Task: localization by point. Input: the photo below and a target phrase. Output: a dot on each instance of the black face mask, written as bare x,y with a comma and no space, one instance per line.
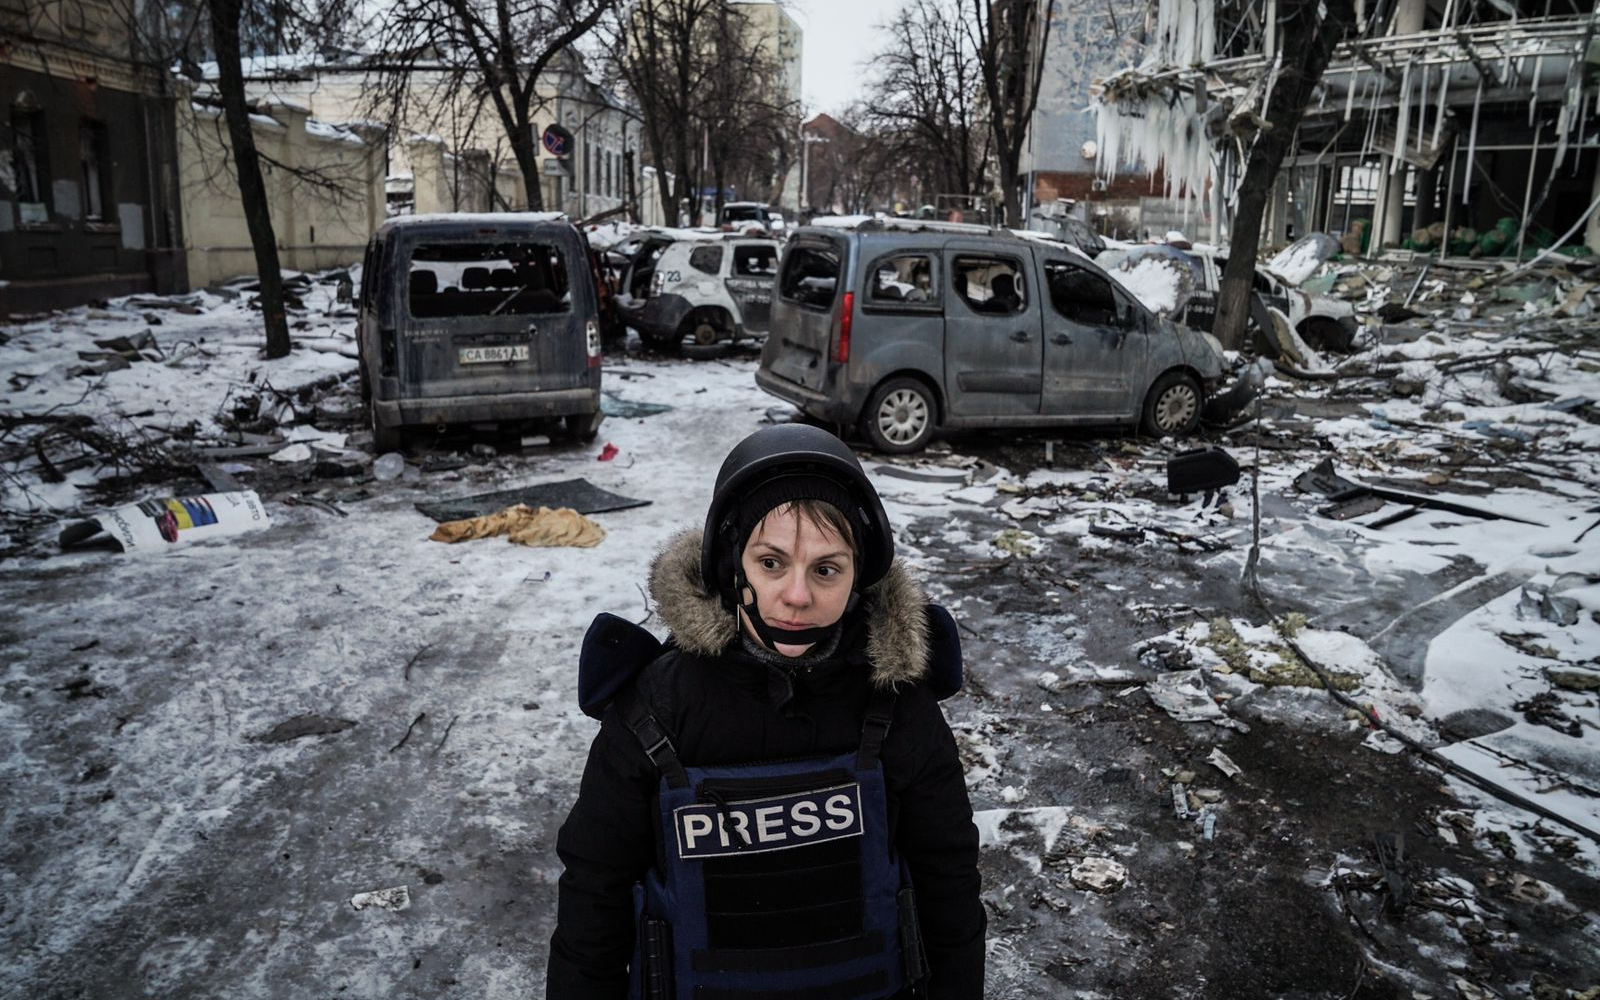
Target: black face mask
789,637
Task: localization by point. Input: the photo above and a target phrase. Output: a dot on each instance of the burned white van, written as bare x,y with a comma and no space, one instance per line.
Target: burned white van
479,319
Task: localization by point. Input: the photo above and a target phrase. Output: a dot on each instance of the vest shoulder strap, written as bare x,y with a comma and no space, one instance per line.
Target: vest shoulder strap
652,737
875,728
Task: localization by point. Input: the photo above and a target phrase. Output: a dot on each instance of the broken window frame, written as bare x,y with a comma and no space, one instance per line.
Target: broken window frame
874,297
707,259
1122,314
960,264
493,299
94,161
30,164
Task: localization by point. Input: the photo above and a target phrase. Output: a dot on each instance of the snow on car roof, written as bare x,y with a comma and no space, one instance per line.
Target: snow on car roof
477,218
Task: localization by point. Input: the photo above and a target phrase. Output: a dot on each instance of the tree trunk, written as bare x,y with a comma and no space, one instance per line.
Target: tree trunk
1301,33
528,162
247,167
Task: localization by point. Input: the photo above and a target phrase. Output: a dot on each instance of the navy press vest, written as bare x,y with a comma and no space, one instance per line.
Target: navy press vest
778,879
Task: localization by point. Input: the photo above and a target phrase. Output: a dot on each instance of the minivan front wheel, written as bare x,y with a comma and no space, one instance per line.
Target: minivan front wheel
901,416
1173,406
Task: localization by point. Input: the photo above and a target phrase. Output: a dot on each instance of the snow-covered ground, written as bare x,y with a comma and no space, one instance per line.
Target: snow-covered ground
150,829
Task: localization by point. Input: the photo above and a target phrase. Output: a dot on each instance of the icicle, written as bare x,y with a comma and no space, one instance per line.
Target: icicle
1444,92
1533,91
1350,93
1422,110
1472,139
1405,118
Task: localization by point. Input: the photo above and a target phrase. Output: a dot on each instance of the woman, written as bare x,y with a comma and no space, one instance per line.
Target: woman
774,805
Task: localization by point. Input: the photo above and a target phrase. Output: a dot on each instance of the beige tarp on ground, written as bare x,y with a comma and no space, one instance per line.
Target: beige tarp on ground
526,526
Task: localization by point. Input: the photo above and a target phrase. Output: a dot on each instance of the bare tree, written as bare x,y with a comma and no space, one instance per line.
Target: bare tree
746,117
225,17
926,97
1011,37
1309,31
708,91
494,49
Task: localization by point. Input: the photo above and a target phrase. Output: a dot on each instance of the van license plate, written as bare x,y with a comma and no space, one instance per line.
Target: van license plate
490,355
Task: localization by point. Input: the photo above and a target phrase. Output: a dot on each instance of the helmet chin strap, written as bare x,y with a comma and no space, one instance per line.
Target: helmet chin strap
772,636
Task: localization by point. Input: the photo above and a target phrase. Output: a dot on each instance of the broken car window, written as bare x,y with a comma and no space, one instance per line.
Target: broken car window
1081,296
810,276
707,259
904,279
756,261
991,285
487,279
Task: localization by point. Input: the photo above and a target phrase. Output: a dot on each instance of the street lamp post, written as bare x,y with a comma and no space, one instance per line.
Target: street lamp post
806,142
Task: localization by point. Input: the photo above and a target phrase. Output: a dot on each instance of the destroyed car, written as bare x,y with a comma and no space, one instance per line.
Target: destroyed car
478,319
1322,322
709,290
738,214
904,328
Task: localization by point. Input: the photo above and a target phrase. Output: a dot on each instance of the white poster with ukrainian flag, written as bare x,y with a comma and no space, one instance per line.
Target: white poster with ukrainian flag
159,524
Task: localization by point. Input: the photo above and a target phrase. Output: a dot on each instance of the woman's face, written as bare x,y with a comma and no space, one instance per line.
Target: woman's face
801,573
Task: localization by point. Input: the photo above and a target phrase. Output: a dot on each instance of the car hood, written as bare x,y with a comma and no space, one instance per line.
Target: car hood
1200,349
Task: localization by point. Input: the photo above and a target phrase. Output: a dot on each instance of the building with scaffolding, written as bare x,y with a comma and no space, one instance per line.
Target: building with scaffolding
1470,124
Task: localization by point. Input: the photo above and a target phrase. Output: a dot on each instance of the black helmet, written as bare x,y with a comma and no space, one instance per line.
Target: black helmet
778,465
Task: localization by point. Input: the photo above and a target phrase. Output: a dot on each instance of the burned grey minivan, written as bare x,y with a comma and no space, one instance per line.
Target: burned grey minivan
478,319
906,327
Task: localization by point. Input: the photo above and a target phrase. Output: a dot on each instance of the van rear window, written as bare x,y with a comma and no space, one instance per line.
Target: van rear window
487,279
810,276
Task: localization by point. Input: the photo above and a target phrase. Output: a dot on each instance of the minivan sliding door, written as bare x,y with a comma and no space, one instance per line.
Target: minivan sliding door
993,351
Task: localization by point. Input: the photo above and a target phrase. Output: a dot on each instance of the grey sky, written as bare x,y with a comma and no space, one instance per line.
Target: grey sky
839,36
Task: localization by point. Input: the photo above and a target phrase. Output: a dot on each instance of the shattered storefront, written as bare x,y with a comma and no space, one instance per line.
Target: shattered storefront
1464,123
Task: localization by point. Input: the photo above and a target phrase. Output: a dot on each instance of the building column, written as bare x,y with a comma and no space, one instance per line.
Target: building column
1408,16
1388,210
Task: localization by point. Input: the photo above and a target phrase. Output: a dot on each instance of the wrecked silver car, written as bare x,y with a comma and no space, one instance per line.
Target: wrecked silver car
905,328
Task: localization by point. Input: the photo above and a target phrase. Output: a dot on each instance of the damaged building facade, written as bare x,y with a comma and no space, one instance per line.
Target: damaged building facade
88,186
1470,126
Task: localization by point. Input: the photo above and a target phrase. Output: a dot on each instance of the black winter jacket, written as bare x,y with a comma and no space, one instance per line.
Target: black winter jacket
722,706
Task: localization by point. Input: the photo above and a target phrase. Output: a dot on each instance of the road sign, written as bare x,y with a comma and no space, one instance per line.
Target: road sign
557,140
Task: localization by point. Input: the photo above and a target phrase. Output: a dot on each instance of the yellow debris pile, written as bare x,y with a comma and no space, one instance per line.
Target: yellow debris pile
1270,663
525,526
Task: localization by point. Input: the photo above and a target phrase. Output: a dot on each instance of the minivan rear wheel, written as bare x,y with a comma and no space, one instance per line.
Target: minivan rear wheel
1172,407
901,416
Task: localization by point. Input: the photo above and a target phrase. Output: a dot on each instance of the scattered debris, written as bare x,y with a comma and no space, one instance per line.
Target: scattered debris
1545,709
1223,763
304,725
578,494
607,453
396,899
1539,602
158,524
524,525
1183,695
1098,875
1017,542
1574,680
1324,480
1201,470
407,736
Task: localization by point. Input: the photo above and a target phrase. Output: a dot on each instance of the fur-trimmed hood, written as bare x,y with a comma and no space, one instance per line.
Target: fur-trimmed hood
898,641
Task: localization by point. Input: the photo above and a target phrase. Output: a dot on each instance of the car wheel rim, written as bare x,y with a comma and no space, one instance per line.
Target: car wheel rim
1176,407
705,334
902,416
